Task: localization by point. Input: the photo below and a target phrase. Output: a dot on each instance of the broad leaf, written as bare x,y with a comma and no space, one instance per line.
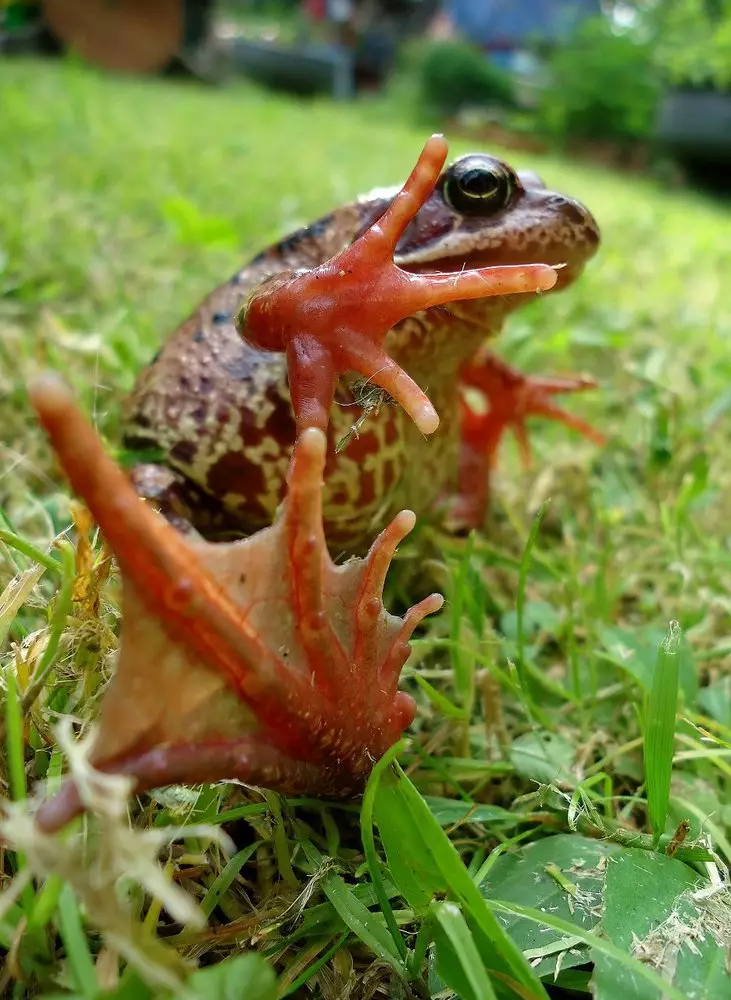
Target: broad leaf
650,911
563,875
544,757
243,977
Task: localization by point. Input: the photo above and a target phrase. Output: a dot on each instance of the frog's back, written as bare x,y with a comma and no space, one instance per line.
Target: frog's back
220,411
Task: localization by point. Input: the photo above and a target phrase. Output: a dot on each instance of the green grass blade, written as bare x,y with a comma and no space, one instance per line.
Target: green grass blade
458,959
30,550
441,703
660,729
222,883
313,969
81,964
46,903
369,845
364,924
64,604
462,662
520,604
14,736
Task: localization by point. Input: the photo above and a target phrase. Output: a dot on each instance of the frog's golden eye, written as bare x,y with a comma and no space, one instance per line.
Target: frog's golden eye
478,185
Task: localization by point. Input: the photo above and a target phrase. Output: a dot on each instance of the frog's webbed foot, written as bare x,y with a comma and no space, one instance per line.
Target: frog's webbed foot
508,398
334,318
258,660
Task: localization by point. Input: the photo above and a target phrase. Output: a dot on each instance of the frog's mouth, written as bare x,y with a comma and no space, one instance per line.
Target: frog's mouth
540,227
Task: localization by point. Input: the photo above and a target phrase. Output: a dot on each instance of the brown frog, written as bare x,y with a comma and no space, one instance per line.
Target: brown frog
274,664
219,407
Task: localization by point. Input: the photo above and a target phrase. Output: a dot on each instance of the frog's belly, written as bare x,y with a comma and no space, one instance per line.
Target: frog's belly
383,469
235,443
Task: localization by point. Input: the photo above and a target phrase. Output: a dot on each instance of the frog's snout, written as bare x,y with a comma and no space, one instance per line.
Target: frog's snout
572,239
585,226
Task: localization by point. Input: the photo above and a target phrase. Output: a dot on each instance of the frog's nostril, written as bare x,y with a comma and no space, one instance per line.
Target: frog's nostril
576,213
581,221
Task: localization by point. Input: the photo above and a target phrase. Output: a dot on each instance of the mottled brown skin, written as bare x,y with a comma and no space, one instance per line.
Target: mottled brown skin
220,410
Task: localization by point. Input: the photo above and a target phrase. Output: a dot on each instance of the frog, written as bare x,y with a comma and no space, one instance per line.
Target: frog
276,664
217,408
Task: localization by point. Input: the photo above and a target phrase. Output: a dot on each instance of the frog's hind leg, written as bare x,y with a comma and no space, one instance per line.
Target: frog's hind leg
508,398
188,509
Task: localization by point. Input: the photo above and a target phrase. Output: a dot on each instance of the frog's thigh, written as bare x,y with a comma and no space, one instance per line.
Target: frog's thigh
169,493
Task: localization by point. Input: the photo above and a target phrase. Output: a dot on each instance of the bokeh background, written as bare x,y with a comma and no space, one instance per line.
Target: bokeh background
148,149
624,81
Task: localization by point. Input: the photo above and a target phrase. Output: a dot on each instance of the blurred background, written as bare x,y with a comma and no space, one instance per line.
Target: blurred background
638,84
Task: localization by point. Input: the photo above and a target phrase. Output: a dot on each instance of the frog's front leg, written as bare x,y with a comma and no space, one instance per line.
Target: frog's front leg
335,317
506,398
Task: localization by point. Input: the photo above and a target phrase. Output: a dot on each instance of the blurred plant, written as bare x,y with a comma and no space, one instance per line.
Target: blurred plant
603,85
691,39
453,75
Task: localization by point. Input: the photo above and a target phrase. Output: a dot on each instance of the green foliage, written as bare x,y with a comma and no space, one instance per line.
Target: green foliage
454,75
424,864
691,40
602,86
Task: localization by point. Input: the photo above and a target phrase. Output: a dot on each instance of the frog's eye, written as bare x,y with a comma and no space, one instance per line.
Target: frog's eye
478,185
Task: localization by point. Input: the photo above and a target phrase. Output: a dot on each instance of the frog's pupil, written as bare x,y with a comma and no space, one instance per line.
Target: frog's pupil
478,183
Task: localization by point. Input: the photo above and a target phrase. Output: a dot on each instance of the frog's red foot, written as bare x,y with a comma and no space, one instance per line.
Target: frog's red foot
259,660
508,398
334,318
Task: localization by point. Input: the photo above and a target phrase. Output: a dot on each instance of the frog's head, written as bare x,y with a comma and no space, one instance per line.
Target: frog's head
482,212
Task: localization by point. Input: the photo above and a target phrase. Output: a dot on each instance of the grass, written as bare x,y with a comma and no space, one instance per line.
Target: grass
122,204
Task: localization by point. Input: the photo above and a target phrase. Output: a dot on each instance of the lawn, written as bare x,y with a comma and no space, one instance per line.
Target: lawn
556,700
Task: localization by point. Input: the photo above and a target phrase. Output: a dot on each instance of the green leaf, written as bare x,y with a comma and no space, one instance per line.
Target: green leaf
193,228
243,977
660,729
451,812
649,911
543,757
424,863
131,987
458,959
715,700
537,615
636,653
369,846
361,921
413,868
598,944
562,875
